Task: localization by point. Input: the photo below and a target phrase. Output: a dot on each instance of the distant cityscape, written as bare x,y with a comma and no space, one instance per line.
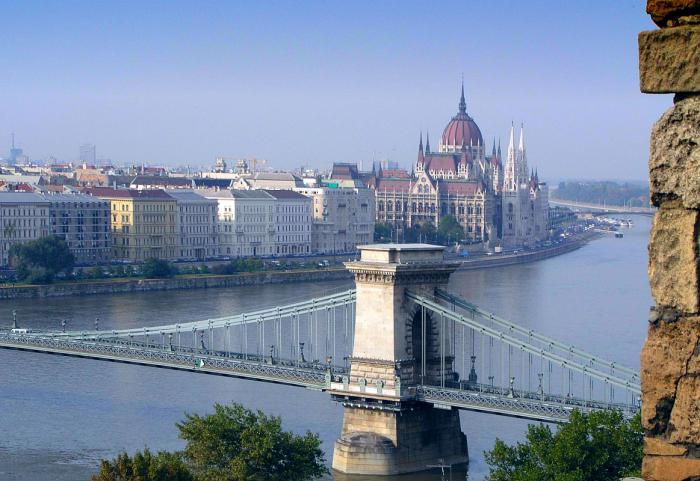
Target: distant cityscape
244,207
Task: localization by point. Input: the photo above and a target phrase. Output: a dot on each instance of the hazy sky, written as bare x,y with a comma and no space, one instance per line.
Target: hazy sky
315,82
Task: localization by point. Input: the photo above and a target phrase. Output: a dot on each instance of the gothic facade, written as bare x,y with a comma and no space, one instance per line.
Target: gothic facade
491,203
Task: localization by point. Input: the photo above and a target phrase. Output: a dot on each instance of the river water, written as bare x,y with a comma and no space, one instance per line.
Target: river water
59,415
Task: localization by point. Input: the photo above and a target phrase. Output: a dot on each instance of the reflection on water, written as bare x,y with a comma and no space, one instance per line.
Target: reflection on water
60,415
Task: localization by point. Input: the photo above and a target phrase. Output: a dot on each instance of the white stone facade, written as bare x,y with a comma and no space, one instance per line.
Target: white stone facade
197,225
23,217
343,218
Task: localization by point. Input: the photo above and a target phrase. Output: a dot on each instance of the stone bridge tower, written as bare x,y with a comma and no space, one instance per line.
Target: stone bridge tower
385,429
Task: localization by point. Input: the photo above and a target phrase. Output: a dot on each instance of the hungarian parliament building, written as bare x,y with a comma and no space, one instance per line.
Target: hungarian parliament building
493,204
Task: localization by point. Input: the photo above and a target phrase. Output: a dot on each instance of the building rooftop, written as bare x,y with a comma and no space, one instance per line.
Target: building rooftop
20,198
286,194
187,195
110,193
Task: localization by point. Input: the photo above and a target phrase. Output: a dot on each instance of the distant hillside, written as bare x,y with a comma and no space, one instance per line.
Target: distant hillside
603,192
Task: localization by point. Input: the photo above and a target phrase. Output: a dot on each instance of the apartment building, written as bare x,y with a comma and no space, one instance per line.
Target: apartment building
197,225
23,217
292,222
144,223
83,221
343,216
246,222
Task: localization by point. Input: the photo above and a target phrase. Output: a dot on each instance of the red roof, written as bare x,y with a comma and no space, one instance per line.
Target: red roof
458,187
395,173
393,185
438,162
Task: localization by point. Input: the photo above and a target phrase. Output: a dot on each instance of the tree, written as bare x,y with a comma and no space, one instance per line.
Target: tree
382,231
600,446
449,230
144,466
236,444
154,268
41,260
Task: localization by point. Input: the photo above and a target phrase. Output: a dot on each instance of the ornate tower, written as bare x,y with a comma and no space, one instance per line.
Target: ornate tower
510,181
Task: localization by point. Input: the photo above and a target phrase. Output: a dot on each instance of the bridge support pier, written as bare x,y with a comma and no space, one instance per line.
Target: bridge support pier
386,430
376,442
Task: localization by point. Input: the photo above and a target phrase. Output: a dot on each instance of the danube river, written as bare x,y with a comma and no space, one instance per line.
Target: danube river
59,416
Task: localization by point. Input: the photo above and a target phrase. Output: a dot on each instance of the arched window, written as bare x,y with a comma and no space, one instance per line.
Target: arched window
510,208
380,206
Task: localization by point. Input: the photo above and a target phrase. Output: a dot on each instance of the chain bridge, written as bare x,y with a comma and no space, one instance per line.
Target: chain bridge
401,353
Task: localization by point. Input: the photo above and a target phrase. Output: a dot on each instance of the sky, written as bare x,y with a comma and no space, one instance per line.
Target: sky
312,83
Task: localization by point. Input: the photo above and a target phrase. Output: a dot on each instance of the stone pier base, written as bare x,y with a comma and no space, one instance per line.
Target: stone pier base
375,442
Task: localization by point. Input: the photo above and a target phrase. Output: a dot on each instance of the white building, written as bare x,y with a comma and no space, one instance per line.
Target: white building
292,221
197,225
23,217
246,222
343,216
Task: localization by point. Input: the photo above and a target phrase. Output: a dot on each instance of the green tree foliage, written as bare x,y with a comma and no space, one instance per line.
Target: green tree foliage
610,193
236,444
232,444
154,268
600,446
40,260
449,230
382,232
144,467
424,232
248,264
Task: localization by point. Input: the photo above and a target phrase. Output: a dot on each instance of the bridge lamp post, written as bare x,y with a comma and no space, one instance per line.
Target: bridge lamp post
97,323
14,318
63,325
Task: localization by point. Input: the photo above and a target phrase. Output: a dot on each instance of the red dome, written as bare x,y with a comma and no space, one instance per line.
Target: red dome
462,130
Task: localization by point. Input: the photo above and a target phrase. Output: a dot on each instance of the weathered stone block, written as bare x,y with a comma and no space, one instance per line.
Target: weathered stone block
663,11
668,355
670,468
673,258
684,426
659,447
674,160
669,60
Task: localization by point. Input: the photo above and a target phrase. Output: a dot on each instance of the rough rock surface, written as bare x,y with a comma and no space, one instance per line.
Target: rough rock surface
684,426
662,11
670,355
670,468
669,60
658,447
673,258
674,161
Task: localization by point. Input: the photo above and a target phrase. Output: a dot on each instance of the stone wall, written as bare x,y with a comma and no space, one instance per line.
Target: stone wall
194,282
669,62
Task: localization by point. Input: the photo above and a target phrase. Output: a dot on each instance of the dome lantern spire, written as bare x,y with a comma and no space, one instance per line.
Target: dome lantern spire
462,102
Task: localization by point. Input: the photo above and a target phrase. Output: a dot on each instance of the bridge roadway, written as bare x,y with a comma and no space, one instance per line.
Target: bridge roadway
536,406
602,208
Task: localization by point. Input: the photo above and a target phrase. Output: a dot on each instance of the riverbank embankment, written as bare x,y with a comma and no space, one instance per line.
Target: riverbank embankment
499,260
208,281
118,286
